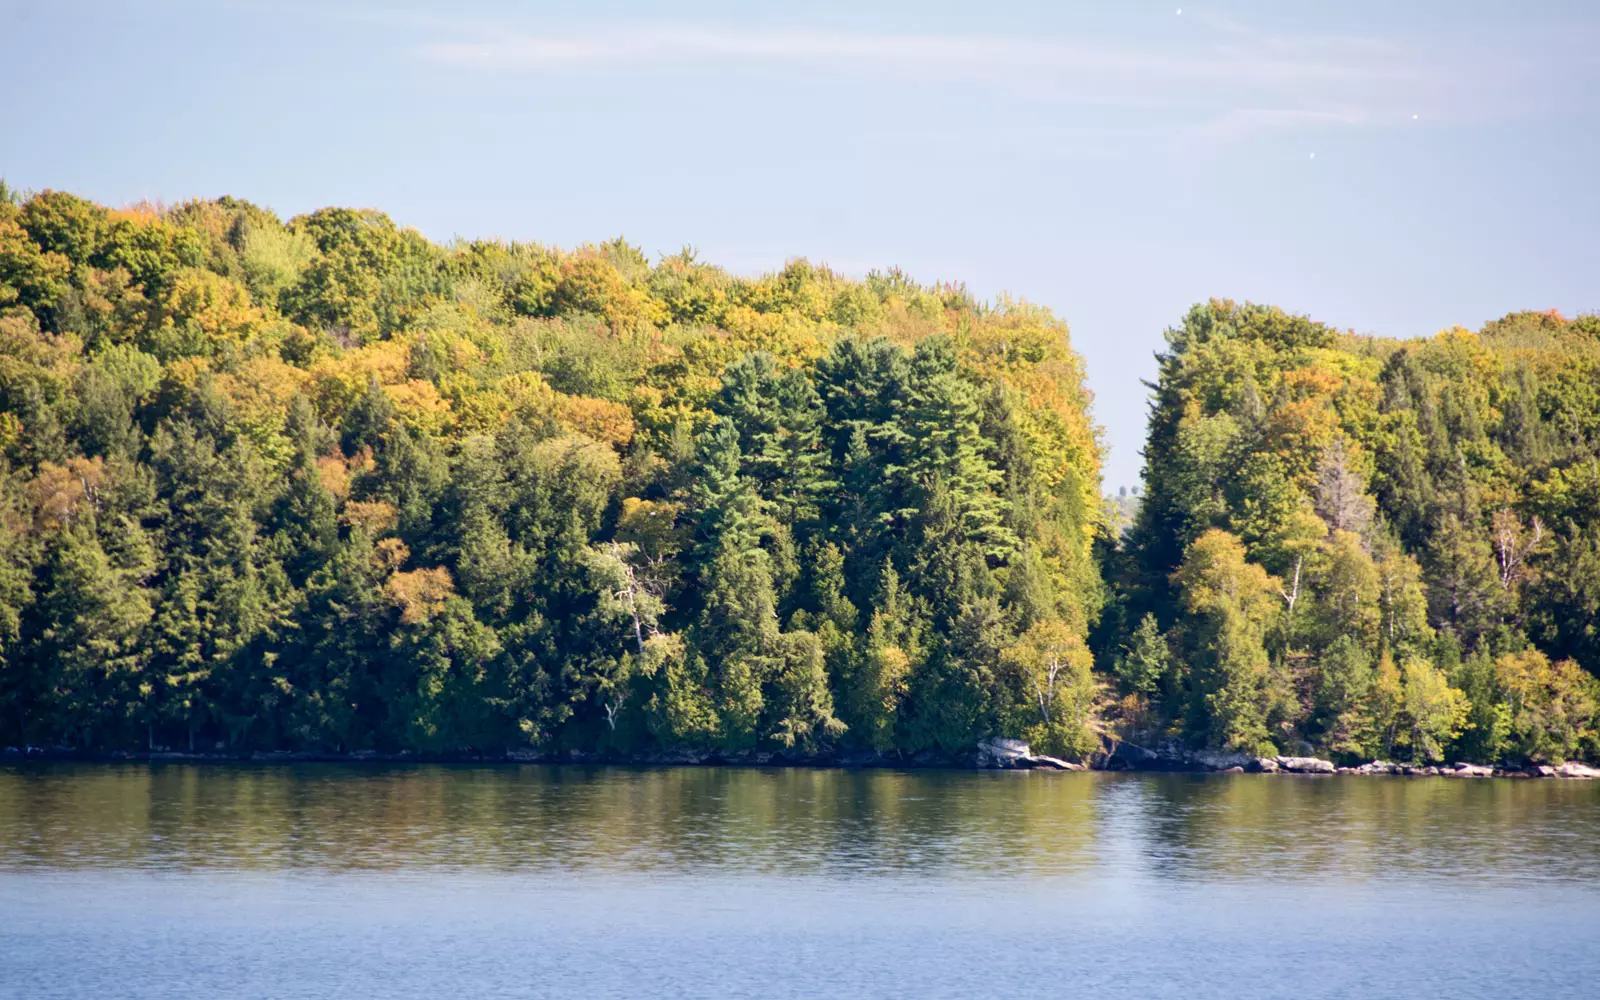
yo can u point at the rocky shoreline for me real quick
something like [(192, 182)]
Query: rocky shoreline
[(1126, 756), (994, 754)]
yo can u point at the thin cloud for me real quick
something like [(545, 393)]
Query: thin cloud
[(1242, 61), (1239, 80)]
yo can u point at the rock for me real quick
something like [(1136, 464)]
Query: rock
[(1214, 760), (1573, 769), (1002, 752), (679, 755), (1126, 755), (1306, 765), (1055, 763), (1378, 767), (1542, 771), (1235, 769), (1472, 771), (1265, 765)]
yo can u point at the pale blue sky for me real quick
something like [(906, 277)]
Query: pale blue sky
[(1394, 168)]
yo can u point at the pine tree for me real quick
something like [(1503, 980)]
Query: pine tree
[(86, 635), (800, 708), (1145, 659), (942, 419), (1344, 685), (891, 655)]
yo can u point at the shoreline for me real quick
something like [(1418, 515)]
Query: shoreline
[(1120, 760)]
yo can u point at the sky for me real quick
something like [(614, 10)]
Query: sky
[(1389, 168)]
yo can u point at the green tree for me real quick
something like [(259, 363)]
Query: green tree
[(1233, 601), (1145, 659)]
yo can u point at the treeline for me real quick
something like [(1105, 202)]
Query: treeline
[(1366, 547), (326, 485)]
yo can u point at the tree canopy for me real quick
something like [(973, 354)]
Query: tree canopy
[(1367, 546), (324, 484)]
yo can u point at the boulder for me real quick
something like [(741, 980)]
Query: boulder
[(1542, 771), (1235, 769), (1306, 765), (1054, 763), (1264, 765), (1213, 760), (1573, 769), (1472, 771), (1003, 753), (1378, 767), (1126, 755)]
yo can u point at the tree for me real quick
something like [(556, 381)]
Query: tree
[(953, 696), (1564, 599), (1402, 598), (1551, 707), (1349, 591), (1512, 545), (883, 680), (1435, 710), (1145, 659), (1463, 586), (800, 708), (1050, 667), (1341, 497), (86, 630), (1386, 708), (1344, 686), (778, 414), (1234, 601)]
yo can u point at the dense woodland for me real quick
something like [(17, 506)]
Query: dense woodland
[(326, 485), (1366, 547)]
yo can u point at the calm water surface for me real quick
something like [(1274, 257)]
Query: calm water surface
[(424, 882)]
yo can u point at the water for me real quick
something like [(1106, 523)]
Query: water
[(358, 882)]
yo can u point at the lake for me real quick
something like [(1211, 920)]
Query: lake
[(357, 881)]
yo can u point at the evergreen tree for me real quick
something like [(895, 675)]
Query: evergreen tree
[(1145, 660), (86, 634), (892, 655)]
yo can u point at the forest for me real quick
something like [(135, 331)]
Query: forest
[(1367, 547), (322, 484)]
